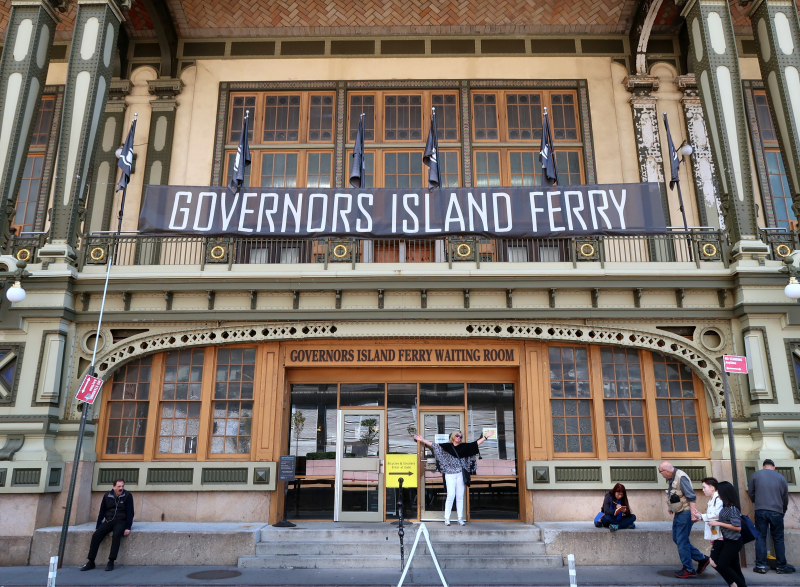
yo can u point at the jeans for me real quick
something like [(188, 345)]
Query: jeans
[(624, 522), (455, 490), (725, 554), (681, 529), (772, 521), (118, 528)]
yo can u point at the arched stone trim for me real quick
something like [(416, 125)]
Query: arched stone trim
[(640, 33), (705, 366)]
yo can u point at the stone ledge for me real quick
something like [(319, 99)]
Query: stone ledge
[(154, 543), (14, 550), (650, 543)]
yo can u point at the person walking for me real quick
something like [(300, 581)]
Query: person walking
[(769, 492), (616, 510), (116, 515), (714, 507), (452, 459), (681, 500), (725, 552)]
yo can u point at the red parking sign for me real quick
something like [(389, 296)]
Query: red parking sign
[(89, 389), (734, 364)]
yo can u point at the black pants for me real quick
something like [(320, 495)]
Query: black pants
[(725, 554), (118, 528)]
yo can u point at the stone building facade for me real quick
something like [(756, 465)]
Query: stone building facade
[(593, 359)]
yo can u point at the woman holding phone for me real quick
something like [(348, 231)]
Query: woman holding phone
[(452, 459), (616, 510), (725, 552)]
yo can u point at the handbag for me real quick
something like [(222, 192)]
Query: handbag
[(749, 532), (464, 473)]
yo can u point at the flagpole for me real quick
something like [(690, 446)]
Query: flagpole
[(436, 139), (363, 157), (83, 407)]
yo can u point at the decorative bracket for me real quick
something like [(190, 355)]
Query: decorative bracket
[(295, 299), (380, 299), (338, 299), (637, 297), (211, 295), (680, 295), (466, 299), (595, 297), (722, 295), (168, 299), (13, 443), (253, 299), (85, 297), (509, 298), (423, 298), (126, 299), (553, 291)]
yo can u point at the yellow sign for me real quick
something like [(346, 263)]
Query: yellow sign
[(404, 466)]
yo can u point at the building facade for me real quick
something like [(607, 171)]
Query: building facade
[(592, 358)]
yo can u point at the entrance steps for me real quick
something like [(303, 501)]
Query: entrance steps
[(477, 545)]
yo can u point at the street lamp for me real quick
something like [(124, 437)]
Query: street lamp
[(686, 149), (792, 289), (15, 293)]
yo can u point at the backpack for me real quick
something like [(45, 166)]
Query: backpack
[(749, 532)]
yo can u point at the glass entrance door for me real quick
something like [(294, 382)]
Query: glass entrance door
[(359, 466), (436, 427)]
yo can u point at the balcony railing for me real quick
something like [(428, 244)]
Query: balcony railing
[(695, 246)]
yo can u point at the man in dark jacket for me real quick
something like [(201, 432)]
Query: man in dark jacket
[(116, 515), (769, 493)]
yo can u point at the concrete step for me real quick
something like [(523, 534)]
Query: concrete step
[(392, 547), (385, 533), (421, 561)]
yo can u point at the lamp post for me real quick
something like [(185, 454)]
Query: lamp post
[(792, 289), (15, 293)]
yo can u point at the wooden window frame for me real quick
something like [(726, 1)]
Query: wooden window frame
[(653, 439), (302, 164), (378, 177), (505, 161), (380, 117), (257, 119), (39, 153), (502, 117)]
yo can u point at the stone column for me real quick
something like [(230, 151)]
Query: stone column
[(777, 34), (104, 174), (91, 62), (712, 49), (702, 162), (162, 129), (23, 71)]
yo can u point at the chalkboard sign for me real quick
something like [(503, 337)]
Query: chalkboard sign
[(286, 468)]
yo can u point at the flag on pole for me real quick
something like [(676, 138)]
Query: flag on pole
[(358, 173), (242, 158), (431, 155), (674, 163), (547, 156), (125, 161)]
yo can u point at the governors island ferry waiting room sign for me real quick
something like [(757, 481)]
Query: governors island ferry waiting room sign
[(543, 211)]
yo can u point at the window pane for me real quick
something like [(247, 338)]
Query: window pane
[(41, 132), (484, 115), (563, 117), (765, 125), (402, 170), (523, 168), (487, 168), (569, 167), (180, 420), (279, 170), (28, 196), (232, 419), (318, 174), (624, 411), (570, 418), (281, 119), (441, 394), (238, 109), (358, 105), (491, 405), (779, 188), (448, 169), (447, 122), (127, 413), (403, 118), (361, 394), (320, 125), (677, 417), (524, 117)]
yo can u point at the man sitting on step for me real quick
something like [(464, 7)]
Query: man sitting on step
[(116, 515)]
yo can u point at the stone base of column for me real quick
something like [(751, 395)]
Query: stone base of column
[(58, 252), (747, 249)]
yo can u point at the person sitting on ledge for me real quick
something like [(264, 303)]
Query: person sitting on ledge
[(616, 513), (116, 515)]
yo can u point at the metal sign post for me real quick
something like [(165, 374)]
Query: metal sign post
[(732, 364), (286, 472)]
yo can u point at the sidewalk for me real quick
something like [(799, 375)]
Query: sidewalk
[(164, 576)]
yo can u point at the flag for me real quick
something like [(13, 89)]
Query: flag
[(431, 155), (242, 158), (674, 164), (125, 161), (547, 156), (358, 173)]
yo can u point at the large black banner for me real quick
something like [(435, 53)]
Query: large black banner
[(547, 211)]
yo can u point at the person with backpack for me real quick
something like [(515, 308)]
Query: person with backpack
[(616, 511), (769, 492), (725, 552)]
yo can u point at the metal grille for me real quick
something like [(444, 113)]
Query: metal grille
[(26, 477), (633, 474), (224, 476), (579, 474), (161, 476), (696, 474), (108, 476)]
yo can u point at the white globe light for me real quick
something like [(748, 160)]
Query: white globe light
[(686, 150), (16, 294), (792, 290)]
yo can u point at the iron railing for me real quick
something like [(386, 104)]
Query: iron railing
[(781, 242), (695, 246)]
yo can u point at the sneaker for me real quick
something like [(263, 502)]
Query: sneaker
[(613, 527), (632, 527), (447, 522), (703, 564), (110, 566), (462, 523), (684, 574), (760, 570), (787, 570), (88, 566)]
